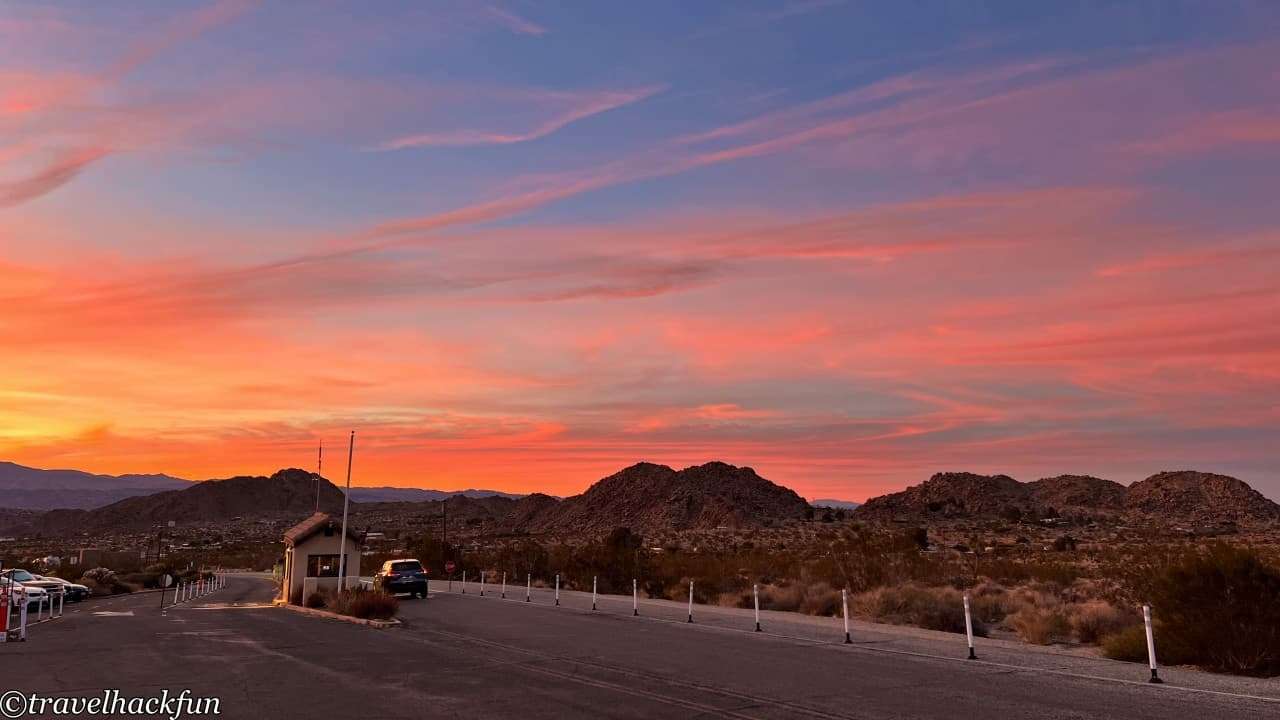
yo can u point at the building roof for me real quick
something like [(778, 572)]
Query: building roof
[(314, 524)]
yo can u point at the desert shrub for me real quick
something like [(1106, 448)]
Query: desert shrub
[(931, 608), (314, 600), (103, 581), (820, 599), (1093, 620), (1130, 645), (778, 597), (992, 602), (364, 604), (1041, 625), (1218, 605)]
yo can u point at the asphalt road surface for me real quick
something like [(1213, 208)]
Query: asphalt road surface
[(467, 656)]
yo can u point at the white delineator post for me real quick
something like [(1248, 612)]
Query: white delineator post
[(690, 601), (528, 588), (464, 582), (481, 583), (504, 584), (755, 592), (593, 592), (844, 608), (635, 598), (557, 589), (1151, 644), (968, 626)]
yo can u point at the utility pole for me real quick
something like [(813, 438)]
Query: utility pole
[(346, 497), (319, 476)]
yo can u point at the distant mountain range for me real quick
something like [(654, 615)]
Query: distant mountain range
[(834, 504), (27, 488), (1179, 497), (398, 494)]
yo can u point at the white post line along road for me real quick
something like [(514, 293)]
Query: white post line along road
[(908, 641), (457, 655)]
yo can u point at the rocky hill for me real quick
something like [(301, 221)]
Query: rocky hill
[(950, 495), (1184, 497), (1076, 494), (654, 499), (1199, 497), (289, 492)]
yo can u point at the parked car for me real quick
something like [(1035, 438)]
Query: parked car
[(74, 591), (405, 575), (34, 594)]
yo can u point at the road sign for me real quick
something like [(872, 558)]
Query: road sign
[(449, 566), (166, 580)]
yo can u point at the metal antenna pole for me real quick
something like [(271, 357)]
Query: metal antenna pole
[(346, 497), (319, 474)]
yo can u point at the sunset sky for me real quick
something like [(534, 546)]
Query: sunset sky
[(520, 245)]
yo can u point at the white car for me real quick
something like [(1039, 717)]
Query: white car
[(34, 594), (72, 591)]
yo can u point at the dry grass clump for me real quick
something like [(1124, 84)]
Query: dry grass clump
[(910, 604), (364, 604), (1041, 625), (817, 598), (1093, 620)]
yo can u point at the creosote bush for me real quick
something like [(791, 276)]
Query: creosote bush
[(1213, 607)]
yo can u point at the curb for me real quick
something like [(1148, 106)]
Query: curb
[(376, 624)]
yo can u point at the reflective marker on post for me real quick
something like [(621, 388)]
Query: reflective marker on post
[(593, 592), (690, 601), (1151, 644), (557, 589), (755, 591), (635, 594), (504, 584), (968, 627), (844, 606)]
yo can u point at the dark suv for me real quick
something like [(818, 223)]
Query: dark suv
[(402, 576)]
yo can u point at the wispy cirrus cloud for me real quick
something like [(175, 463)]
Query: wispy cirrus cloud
[(85, 130), (582, 106), (62, 169), (513, 22)]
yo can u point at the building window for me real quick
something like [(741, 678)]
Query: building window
[(322, 566)]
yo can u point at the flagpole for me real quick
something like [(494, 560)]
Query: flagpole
[(319, 473), (342, 543)]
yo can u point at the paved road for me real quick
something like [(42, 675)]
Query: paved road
[(477, 657)]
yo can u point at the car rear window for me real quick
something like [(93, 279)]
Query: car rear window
[(406, 566)]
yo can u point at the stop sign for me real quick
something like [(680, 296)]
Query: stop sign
[(449, 566)]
